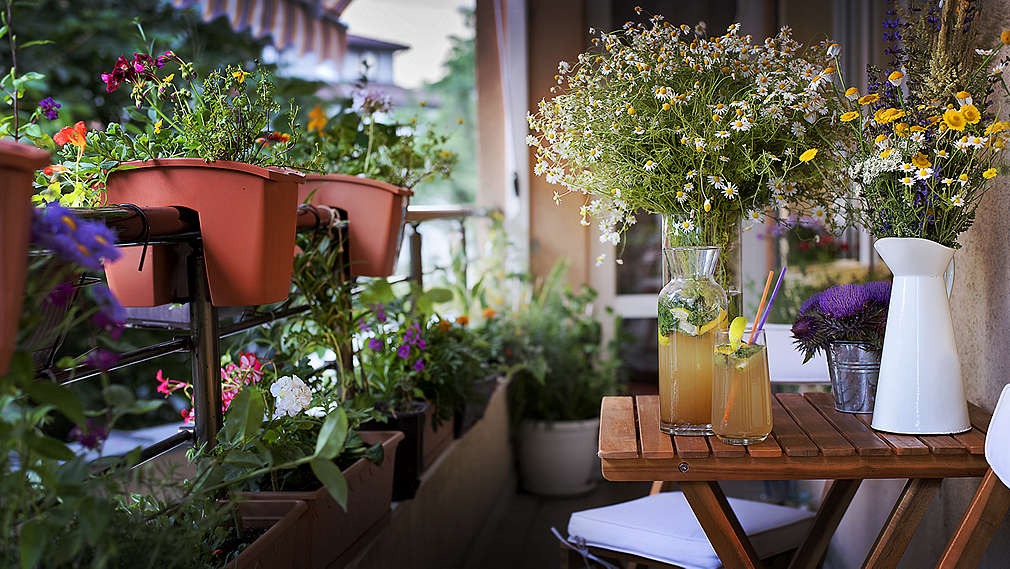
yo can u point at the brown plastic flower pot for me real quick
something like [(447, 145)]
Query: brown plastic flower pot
[(331, 530), (247, 222), (154, 284), (436, 439), (375, 212), (285, 543), (18, 163)]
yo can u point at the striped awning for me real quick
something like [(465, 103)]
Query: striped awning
[(310, 26)]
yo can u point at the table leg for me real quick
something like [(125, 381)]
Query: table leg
[(978, 526), (908, 511), (829, 515), (720, 524)]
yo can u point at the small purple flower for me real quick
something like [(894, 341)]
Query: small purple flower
[(49, 107), (403, 351), (422, 344), (91, 436), (85, 243), (101, 359), (114, 328), (108, 304), (418, 365), (375, 344), (364, 327), (380, 313), (61, 294)]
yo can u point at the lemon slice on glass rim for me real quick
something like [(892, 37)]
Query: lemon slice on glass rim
[(736, 330)]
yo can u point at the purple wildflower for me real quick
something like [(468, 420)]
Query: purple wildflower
[(82, 242), (375, 344), (102, 359), (403, 351), (879, 292), (49, 107), (61, 294), (108, 304), (418, 365), (380, 313), (364, 327), (91, 436), (422, 344), (112, 327)]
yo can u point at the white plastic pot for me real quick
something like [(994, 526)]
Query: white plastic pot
[(558, 458)]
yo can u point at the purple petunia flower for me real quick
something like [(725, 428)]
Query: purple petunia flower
[(91, 436), (49, 107), (375, 344), (418, 365), (102, 359), (403, 351)]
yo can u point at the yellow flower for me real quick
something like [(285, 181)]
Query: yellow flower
[(317, 119), (971, 114), (867, 99), (896, 78), (808, 155), (886, 116), (708, 206), (963, 177), (852, 93), (954, 120), (846, 117), (901, 129), (887, 152), (920, 160), (962, 95), (157, 127), (989, 174), (666, 106), (459, 120), (880, 138), (1005, 37), (631, 110), (168, 79), (240, 75)]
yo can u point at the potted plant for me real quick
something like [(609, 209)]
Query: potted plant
[(847, 323), (921, 151), (556, 389), (210, 148), (370, 165)]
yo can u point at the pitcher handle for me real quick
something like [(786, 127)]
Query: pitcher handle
[(948, 277)]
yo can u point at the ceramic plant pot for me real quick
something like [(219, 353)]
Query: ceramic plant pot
[(919, 390), (558, 458), (285, 543), (247, 222), (330, 529), (18, 163), (410, 453), (375, 212)]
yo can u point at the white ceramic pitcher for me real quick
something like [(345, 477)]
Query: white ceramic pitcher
[(920, 390)]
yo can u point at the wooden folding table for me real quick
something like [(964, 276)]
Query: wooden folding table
[(809, 441)]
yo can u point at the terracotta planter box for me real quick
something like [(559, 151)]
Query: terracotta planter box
[(331, 531), (435, 439), (18, 163), (247, 222), (284, 544), (375, 212)]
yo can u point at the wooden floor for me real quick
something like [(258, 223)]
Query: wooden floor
[(523, 538)]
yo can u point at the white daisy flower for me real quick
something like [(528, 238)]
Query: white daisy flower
[(639, 130), (716, 181), (907, 181), (722, 134), (729, 190), (681, 196), (819, 214), (723, 158), (907, 167), (998, 69), (687, 225), (797, 129), (924, 173), (600, 259), (985, 52), (947, 181), (650, 165), (957, 201), (918, 137), (941, 154)]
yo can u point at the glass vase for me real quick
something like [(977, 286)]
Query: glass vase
[(691, 308), (723, 231)]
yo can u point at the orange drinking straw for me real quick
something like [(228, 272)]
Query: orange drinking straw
[(761, 306)]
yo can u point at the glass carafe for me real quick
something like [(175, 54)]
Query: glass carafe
[(692, 307)]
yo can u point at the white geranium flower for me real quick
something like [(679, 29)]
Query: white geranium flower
[(291, 396)]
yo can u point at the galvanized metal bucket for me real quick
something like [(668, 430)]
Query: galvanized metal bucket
[(853, 367)]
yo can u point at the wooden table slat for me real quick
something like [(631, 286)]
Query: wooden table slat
[(723, 450), (903, 444), (829, 440), (654, 443), (690, 446), (789, 435), (943, 444), (618, 435), (866, 442), (979, 417), (768, 448), (973, 440)]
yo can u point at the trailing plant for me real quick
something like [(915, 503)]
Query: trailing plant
[(360, 138), (843, 313)]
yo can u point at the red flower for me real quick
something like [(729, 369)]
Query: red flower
[(76, 135)]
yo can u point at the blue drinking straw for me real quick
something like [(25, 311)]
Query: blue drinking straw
[(768, 308)]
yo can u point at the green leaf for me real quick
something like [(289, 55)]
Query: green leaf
[(33, 539), (439, 295), (378, 292), (332, 479), (332, 436), (50, 448), (118, 396), (58, 396), (36, 42), (245, 414)]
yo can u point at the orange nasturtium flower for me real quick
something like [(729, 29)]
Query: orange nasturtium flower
[(444, 325), (490, 313), (463, 320), (317, 119), (76, 135)]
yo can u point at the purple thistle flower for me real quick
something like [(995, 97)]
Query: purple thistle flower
[(91, 436), (842, 301), (879, 292), (375, 344), (49, 107), (403, 351), (101, 359), (803, 328), (418, 365), (810, 304)]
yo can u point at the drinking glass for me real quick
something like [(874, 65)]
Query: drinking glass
[(741, 390)]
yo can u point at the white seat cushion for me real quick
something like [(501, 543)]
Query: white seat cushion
[(663, 527), (997, 440)]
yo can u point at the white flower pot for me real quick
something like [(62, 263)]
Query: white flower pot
[(919, 391), (558, 458)]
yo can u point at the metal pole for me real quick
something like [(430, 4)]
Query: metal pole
[(462, 249), (206, 356), (415, 255)]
